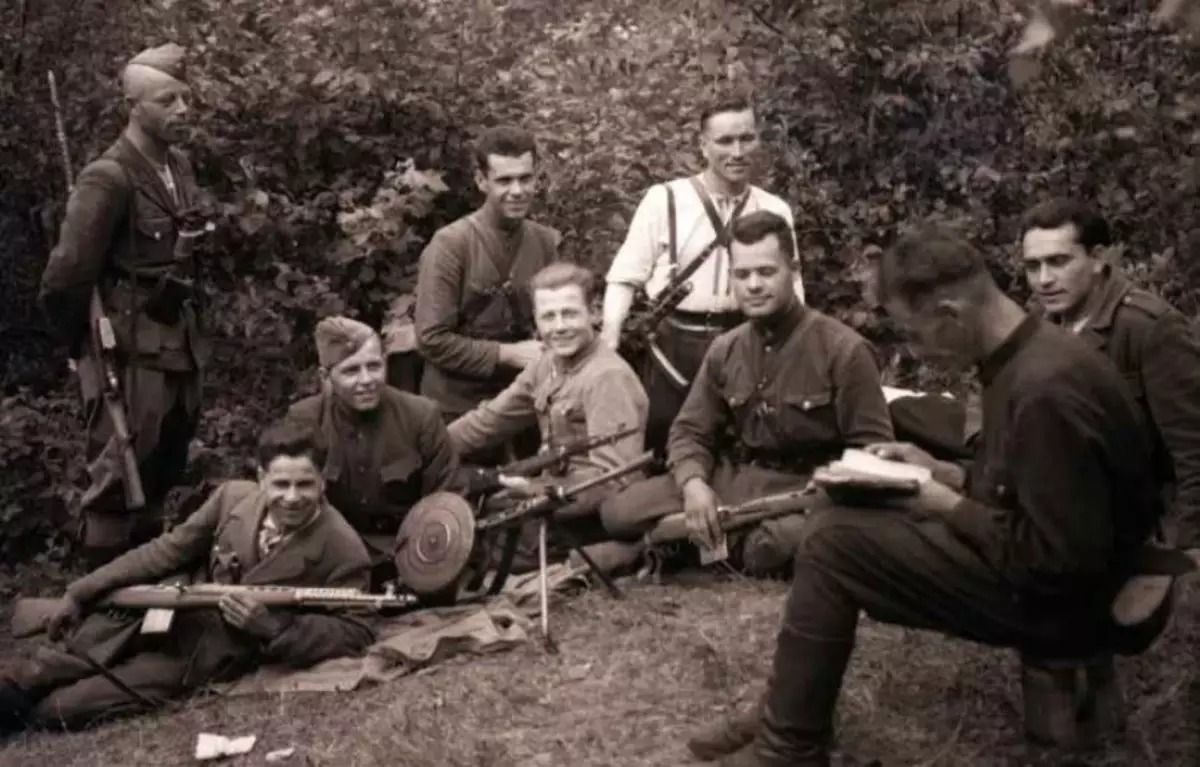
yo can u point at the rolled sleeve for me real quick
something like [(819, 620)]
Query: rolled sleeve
[(634, 262)]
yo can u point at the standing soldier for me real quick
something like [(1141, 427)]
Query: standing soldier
[(473, 318), (123, 237), (675, 223)]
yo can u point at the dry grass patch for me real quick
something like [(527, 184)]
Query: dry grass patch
[(633, 678)]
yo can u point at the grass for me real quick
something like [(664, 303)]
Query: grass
[(634, 677)]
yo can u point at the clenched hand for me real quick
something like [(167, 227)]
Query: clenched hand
[(249, 615)]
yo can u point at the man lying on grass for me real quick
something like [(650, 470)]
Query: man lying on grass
[(278, 531), (1027, 549)]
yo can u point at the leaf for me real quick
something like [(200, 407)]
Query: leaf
[(323, 77)]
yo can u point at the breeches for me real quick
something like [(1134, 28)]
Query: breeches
[(916, 572), (162, 410), (768, 545)]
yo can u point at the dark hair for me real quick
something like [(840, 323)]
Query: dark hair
[(720, 106), (1092, 228), (505, 141), (761, 224), (562, 273), (291, 438), (923, 261)]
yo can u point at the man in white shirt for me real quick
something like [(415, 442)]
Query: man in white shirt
[(674, 225)]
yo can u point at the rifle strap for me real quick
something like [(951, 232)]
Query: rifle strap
[(724, 232)]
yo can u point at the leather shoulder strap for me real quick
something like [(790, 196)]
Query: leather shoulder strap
[(673, 245)]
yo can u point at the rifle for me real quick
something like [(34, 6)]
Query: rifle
[(31, 614), (558, 496), (104, 347), (483, 481), (674, 527)]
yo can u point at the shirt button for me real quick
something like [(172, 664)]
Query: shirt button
[(806, 404), (1001, 490)]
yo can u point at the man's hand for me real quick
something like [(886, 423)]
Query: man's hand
[(521, 354), (65, 615), (522, 487), (946, 473), (700, 511), (249, 615), (932, 498)]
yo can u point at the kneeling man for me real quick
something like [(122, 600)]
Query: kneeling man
[(277, 531), (578, 388), (385, 448), (1026, 549), (775, 397)]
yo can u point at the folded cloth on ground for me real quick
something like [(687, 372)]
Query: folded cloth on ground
[(422, 638)]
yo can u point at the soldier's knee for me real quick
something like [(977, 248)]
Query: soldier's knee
[(627, 513), (826, 534), (770, 547)]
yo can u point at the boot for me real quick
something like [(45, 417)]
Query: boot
[(797, 722), (727, 736), (15, 708)]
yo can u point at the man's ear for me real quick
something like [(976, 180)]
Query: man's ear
[(481, 181), (260, 473)]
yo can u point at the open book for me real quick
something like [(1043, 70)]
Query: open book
[(860, 478)]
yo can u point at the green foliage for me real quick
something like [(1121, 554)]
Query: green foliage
[(334, 137)]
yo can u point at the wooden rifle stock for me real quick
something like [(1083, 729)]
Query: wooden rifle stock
[(104, 346), (30, 615), (482, 481), (674, 527)]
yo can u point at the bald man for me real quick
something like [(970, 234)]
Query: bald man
[(123, 234), (385, 448)]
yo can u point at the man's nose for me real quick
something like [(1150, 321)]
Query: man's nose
[(1043, 277)]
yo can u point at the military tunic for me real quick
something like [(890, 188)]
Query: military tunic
[(218, 543), (1059, 497), (379, 463), (772, 402), (1158, 354), (472, 296), (594, 394), (121, 233)]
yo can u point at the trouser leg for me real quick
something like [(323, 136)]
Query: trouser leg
[(766, 548), (900, 570), (686, 351), (157, 677), (162, 420), (631, 513)]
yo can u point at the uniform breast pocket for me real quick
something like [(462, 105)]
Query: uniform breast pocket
[(568, 422), (156, 240), (809, 416)]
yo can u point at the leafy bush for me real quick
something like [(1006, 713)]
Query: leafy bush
[(333, 137)]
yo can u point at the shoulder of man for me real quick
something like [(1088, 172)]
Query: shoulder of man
[(839, 333), (421, 407), (772, 202), (606, 361), (544, 231), (1142, 308), (308, 408), (234, 491), (108, 170), (453, 235)]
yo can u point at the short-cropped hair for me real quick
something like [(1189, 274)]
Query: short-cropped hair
[(503, 141), (292, 438), (922, 262), (562, 273), (755, 227), (721, 106), (1059, 211)]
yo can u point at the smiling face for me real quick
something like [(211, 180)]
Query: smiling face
[(293, 486), (509, 184), (358, 381), (761, 277), (729, 142), (565, 321), (1060, 271)]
